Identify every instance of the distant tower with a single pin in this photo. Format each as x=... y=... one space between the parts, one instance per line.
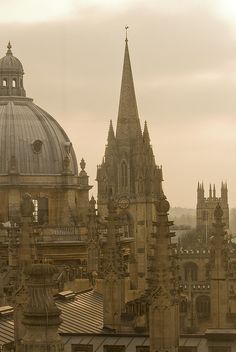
x=129 y=173
x=206 y=207
x=163 y=286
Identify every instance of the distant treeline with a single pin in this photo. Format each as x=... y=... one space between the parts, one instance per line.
x=183 y=216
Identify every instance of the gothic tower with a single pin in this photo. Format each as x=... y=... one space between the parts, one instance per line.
x=206 y=208
x=130 y=175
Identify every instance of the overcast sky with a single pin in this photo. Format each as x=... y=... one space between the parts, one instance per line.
x=183 y=56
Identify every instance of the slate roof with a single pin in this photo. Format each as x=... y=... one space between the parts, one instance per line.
x=82 y=320
x=6 y=330
x=84 y=314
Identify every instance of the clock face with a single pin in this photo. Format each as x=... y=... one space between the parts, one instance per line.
x=123 y=202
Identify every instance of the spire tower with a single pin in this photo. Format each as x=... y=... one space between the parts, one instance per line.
x=128 y=124
x=129 y=173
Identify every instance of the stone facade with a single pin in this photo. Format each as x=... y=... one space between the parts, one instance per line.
x=129 y=235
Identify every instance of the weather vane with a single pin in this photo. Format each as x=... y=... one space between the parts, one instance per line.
x=126 y=30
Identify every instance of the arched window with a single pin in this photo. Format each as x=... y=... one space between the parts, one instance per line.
x=14 y=83
x=40 y=213
x=124 y=174
x=203 y=306
x=191 y=272
x=4 y=82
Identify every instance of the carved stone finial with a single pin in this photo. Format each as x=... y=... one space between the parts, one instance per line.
x=163 y=206
x=92 y=202
x=66 y=162
x=68 y=146
x=82 y=164
x=9 y=52
x=111 y=206
x=27 y=206
x=126 y=33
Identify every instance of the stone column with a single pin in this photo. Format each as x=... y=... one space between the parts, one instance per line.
x=163 y=286
x=113 y=273
x=219 y=267
x=41 y=315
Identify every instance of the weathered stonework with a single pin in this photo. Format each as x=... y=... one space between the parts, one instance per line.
x=130 y=175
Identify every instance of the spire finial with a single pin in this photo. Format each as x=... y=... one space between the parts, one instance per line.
x=126 y=33
x=82 y=164
x=146 y=133
x=9 y=52
x=111 y=135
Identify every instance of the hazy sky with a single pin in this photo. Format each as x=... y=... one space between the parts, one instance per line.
x=183 y=55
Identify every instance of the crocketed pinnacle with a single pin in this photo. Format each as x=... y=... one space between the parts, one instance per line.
x=111 y=135
x=128 y=124
x=146 y=136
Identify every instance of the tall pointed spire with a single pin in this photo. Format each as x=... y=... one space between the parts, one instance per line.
x=128 y=124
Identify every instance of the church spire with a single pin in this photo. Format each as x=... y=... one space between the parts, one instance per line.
x=128 y=124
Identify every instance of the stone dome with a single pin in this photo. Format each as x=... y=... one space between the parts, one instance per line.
x=10 y=62
x=31 y=141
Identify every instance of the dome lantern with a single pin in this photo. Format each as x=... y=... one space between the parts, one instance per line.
x=11 y=75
